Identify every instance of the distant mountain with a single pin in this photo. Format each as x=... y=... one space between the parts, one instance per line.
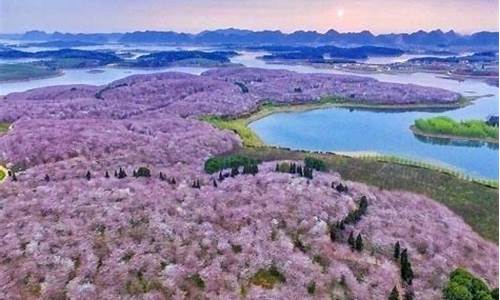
x=155 y=37
x=36 y=35
x=233 y=36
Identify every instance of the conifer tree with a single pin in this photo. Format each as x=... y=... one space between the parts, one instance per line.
x=359 y=243
x=234 y=171
x=47 y=178
x=221 y=177
x=121 y=173
x=116 y=174
x=394 y=294
x=106 y=174
x=299 y=171
x=277 y=169
x=215 y=183
x=351 y=240
x=397 y=250
x=406 y=269
x=14 y=177
x=334 y=232
x=88 y=175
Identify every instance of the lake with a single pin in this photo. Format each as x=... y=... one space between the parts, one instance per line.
x=338 y=129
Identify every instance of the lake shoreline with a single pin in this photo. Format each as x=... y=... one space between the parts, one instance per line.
x=419 y=132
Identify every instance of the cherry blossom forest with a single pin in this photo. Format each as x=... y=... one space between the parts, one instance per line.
x=109 y=199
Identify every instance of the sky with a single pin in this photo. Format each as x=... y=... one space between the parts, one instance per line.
x=378 y=16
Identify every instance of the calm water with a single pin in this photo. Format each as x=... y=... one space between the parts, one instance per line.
x=344 y=130
x=337 y=129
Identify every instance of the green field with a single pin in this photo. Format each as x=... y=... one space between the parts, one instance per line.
x=476 y=129
x=24 y=71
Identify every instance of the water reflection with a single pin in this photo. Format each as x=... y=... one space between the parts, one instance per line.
x=455 y=142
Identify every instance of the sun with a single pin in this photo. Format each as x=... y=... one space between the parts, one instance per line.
x=340 y=12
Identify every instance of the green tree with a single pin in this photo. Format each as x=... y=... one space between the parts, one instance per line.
x=350 y=240
x=143 y=172
x=397 y=250
x=359 y=243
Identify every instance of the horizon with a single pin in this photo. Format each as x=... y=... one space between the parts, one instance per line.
x=378 y=17
x=246 y=29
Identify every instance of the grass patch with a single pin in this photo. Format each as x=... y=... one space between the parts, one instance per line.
x=475 y=202
x=239 y=126
x=476 y=129
x=268 y=278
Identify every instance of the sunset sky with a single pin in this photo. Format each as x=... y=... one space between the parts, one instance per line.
x=382 y=16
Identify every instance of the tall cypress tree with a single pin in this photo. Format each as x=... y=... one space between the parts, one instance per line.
x=215 y=183
x=351 y=240
x=359 y=243
x=88 y=176
x=397 y=250
x=106 y=174
x=406 y=269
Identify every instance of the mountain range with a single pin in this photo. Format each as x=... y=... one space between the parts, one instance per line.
x=232 y=36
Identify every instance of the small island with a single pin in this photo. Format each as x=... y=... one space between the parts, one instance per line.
x=447 y=128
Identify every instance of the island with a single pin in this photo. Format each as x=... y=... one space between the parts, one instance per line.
x=447 y=128
x=123 y=190
x=52 y=62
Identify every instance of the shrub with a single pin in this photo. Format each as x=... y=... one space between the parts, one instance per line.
x=314 y=163
x=143 y=172
x=215 y=164
x=464 y=285
x=268 y=278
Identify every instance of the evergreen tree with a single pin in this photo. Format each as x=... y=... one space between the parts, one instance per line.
x=351 y=240
x=121 y=173
x=47 y=178
x=359 y=243
x=116 y=174
x=333 y=233
x=143 y=172
x=277 y=169
x=234 y=172
x=394 y=294
x=299 y=171
x=342 y=225
x=14 y=177
x=172 y=180
x=406 y=269
x=220 y=176
x=106 y=174
x=363 y=204
x=88 y=175
x=397 y=250
x=215 y=183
